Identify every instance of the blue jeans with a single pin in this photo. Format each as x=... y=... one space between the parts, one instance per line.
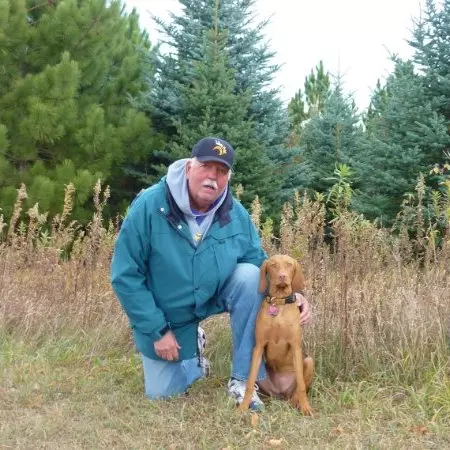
x=241 y=299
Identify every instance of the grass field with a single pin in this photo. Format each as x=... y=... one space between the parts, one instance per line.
x=86 y=391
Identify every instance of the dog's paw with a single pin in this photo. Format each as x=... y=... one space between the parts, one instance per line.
x=306 y=410
x=242 y=407
x=302 y=405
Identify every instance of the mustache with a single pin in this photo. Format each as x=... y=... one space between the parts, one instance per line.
x=210 y=183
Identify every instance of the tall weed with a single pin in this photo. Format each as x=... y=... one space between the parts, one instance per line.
x=380 y=299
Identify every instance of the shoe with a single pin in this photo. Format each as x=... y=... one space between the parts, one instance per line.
x=201 y=340
x=236 y=390
x=203 y=361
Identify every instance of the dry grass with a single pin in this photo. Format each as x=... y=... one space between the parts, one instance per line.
x=70 y=377
x=43 y=290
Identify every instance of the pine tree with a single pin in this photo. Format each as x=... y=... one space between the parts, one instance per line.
x=297 y=114
x=317 y=90
x=64 y=109
x=305 y=105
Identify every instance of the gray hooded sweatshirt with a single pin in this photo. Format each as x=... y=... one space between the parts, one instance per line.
x=178 y=186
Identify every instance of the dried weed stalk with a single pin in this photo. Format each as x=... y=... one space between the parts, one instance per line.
x=380 y=299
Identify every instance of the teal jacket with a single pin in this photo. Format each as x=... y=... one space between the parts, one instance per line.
x=162 y=279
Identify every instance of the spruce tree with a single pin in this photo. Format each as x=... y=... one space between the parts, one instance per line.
x=247 y=55
x=302 y=107
x=431 y=41
x=212 y=108
x=407 y=122
x=330 y=137
x=405 y=136
x=64 y=109
x=256 y=121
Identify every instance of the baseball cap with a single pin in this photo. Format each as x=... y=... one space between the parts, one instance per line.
x=214 y=149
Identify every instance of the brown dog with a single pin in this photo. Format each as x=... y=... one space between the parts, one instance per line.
x=278 y=334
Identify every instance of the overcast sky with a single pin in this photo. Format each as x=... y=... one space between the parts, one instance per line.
x=352 y=37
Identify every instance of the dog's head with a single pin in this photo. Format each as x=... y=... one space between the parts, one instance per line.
x=284 y=275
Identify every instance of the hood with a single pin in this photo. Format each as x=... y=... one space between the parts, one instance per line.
x=178 y=186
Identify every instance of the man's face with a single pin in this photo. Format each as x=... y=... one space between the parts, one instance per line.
x=206 y=182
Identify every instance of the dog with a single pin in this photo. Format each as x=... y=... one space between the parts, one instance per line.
x=278 y=334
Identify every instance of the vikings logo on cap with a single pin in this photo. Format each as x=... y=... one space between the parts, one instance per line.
x=220 y=148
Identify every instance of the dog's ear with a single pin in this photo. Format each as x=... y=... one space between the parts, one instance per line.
x=263 y=277
x=298 y=281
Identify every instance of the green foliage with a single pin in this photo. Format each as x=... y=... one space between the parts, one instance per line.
x=377 y=105
x=329 y=138
x=305 y=105
x=317 y=90
x=74 y=82
x=212 y=108
x=248 y=55
x=249 y=72
x=408 y=123
x=425 y=213
x=340 y=194
x=65 y=113
x=296 y=111
x=405 y=136
x=301 y=108
x=432 y=52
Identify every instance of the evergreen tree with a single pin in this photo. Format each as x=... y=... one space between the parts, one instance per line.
x=297 y=114
x=405 y=137
x=407 y=122
x=64 y=109
x=247 y=54
x=305 y=105
x=431 y=41
x=302 y=107
x=329 y=138
x=212 y=108
x=317 y=90
x=376 y=106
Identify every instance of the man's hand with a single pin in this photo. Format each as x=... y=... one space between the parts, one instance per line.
x=305 y=315
x=167 y=347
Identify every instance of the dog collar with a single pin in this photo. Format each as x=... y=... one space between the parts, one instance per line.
x=280 y=300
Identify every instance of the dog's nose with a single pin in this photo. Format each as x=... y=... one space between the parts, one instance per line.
x=282 y=276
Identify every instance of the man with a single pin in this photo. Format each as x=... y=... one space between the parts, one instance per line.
x=187 y=250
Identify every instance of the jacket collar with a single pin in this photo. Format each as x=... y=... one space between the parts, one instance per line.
x=222 y=214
